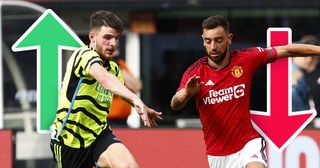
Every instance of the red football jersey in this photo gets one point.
(223, 102)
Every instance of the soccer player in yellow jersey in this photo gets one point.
(80, 135)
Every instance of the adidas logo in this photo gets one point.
(209, 83)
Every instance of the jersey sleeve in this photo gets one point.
(84, 61)
(270, 55)
(262, 56)
(192, 70)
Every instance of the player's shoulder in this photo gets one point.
(84, 48)
(114, 68)
(247, 51)
(113, 64)
(87, 50)
(253, 49)
(197, 64)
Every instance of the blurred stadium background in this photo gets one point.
(166, 35)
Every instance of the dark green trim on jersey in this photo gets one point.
(90, 62)
(87, 113)
(73, 79)
(92, 100)
(89, 82)
(117, 71)
(61, 110)
(81, 126)
(60, 139)
(81, 140)
(72, 85)
(107, 65)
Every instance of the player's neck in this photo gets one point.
(220, 64)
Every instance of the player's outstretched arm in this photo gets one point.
(297, 50)
(181, 98)
(111, 83)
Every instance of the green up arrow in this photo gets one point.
(48, 35)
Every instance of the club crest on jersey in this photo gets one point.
(237, 71)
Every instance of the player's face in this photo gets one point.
(105, 41)
(216, 41)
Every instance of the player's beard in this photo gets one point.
(219, 58)
(103, 52)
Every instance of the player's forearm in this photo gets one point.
(298, 50)
(179, 100)
(305, 50)
(112, 84)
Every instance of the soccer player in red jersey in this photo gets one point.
(221, 83)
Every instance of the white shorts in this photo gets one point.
(253, 151)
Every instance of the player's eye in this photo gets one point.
(108, 37)
(208, 41)
(219, 40)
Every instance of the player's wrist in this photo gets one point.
(137, 103)
(185, 94)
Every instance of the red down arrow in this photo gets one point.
(279, 125)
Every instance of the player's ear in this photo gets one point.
(92, 37)
(202, 39)
(230, 36)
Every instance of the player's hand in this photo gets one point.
(193, 85)
(146, 112)
(153, 116)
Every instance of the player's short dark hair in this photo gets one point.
(105, 18)
(215, 21)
